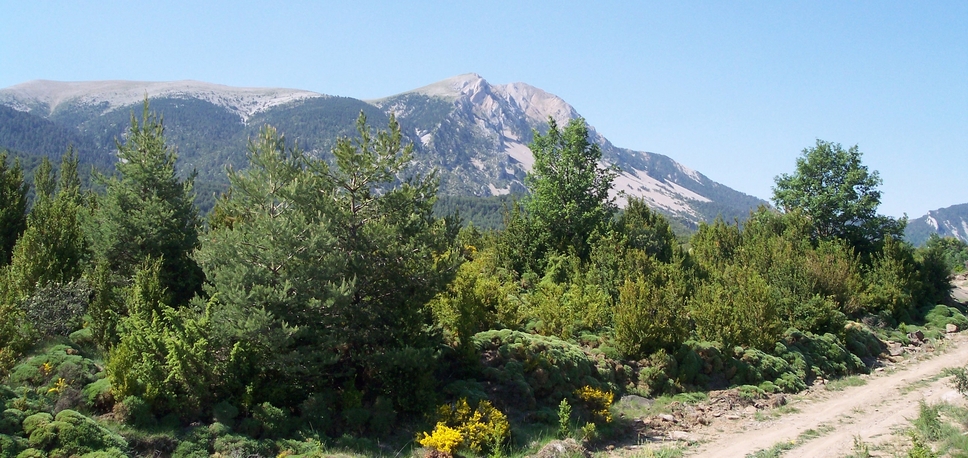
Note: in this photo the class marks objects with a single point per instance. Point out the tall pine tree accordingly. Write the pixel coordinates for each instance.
(148, 212)
(52, 248)
(13, 206)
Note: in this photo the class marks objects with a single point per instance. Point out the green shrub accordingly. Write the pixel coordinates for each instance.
(76, 434)
(56, 362)
(225, 412)
(316, 412)
(6, 394)
(10, 446)
(83, 338)
(219, 429)
(892, 280)
(236, 445)
(750, 392)
(58, 309)
(383, 418)
(532, 371)
(405, 375)
(135, 411)
(941, 316)
(11, 421)
(821, 355)
(190, 449)
(480, 297)
(566, 301)
(657, 375)
(34, 422)
(737, 308)
(648, 315)
(32, 453)
(98, 395)
(754, 366)
(274, 422)
(861, 341)
(564, 419)
(472, 390)
(109, 453)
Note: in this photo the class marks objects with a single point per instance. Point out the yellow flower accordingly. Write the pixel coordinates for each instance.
(443, 439)
(59, 386)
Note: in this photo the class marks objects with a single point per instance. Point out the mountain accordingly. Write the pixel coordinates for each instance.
(947, 222)
(475, 134)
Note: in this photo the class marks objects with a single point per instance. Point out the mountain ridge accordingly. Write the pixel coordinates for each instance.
(474, 132)
(946, 222)
(121, 93)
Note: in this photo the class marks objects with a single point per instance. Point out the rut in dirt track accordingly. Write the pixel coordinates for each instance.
(873, 412)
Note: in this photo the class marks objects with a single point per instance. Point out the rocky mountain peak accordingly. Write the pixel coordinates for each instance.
(45, 95)
(454, 87)
(475, 133)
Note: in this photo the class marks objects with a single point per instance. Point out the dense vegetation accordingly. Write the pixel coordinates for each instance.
(326, 305)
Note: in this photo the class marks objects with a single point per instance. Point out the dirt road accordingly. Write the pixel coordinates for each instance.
(873, 413)
(827, 423)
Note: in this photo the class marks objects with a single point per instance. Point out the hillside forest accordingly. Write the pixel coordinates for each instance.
(323, 305)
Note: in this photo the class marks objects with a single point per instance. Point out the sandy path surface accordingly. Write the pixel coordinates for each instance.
(874, 413)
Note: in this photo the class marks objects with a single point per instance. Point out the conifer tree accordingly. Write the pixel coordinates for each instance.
(148, 212)
(52, 248)
(569, 188)
(321, 271)
(271, 264)
(13, 206)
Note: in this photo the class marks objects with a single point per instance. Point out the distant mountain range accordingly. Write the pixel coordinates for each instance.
(947, 222)
(473, 132)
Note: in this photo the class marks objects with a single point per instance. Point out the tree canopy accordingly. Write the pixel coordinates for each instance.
(569, 187)
(838, 194)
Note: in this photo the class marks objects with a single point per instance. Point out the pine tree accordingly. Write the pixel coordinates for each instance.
(13, 206)
(322, 271)
(569, 189)
(272, 266)
(52, 248)
(148, 212)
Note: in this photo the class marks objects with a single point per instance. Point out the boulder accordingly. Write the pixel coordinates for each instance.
(561, 449)
(680, 436)
(916, 337)
(633, 401)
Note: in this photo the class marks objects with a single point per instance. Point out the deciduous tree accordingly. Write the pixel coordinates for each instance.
(839, 195)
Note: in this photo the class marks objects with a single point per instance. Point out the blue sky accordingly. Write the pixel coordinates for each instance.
(734, 90)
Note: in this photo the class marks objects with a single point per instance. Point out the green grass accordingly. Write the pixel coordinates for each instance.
(942, 426)
(778, 448)
(860, 450)
(669, 451)
(843, 383)
(775, 451)
(771, 414)
(917, 385)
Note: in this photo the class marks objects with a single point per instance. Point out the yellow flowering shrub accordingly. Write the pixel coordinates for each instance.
(481, 429)
(597, 401)
(444, 439)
